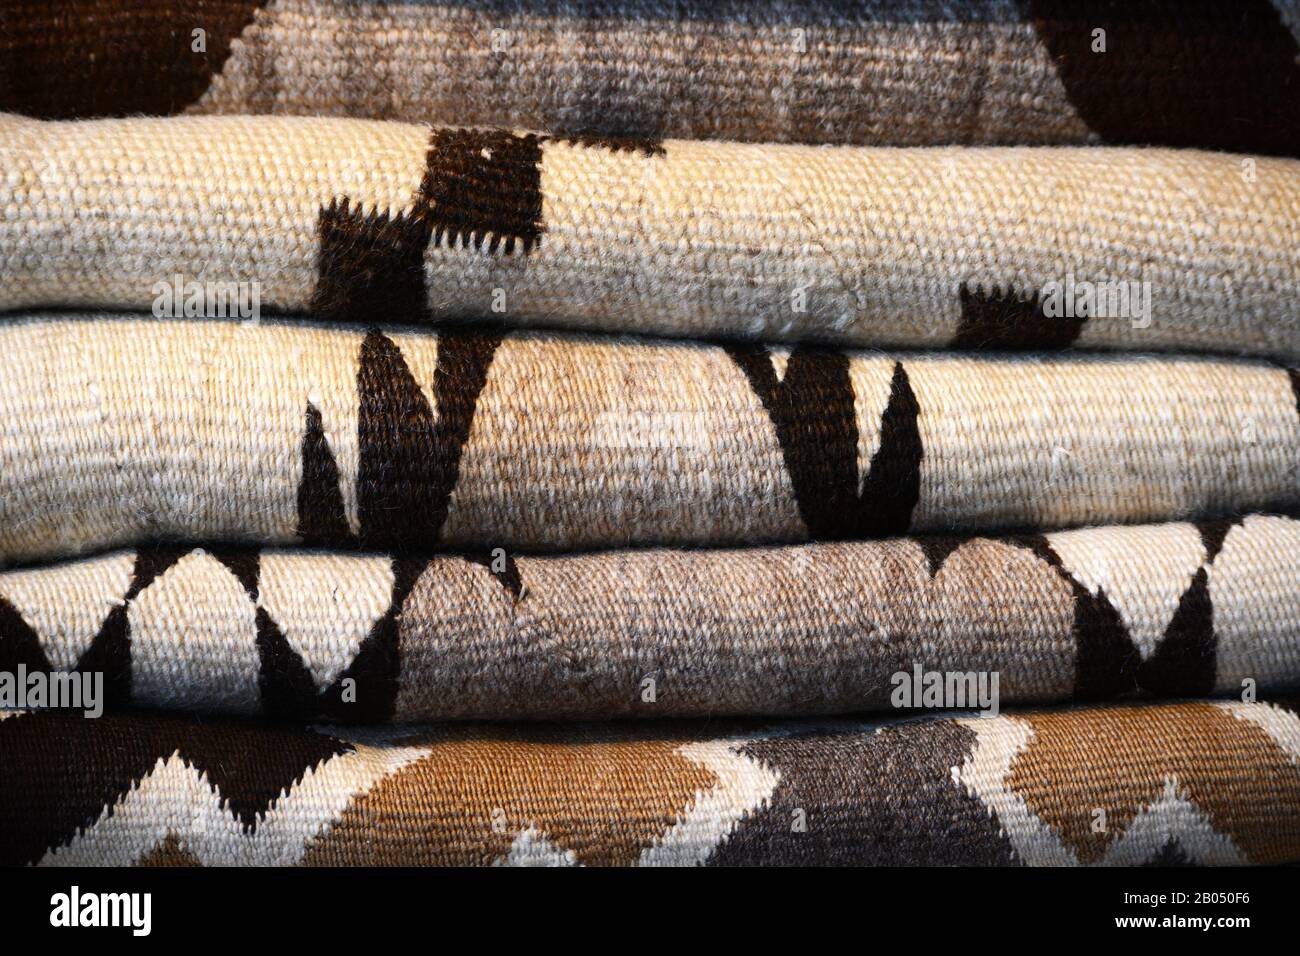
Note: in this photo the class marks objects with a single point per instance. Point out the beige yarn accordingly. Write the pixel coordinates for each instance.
(855, 245)
(118, 429)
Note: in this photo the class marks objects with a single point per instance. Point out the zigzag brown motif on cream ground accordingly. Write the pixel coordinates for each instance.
(1187, 782)
(1039, 775)
(822, 461)
(389, 222)
(480, 187)
(1096, 613)
(535, 441)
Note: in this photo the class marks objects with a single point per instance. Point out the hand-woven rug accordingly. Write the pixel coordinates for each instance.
(122, 430)
(1169, 783)
(1176, 72)
(965, 248)
(1165, 610)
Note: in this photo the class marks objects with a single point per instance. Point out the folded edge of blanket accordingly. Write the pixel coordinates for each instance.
(1175, 610)
(1211, 783)
(1130, 249)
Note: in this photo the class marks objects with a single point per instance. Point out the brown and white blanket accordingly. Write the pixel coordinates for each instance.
(1173, 783)
(883, 72)
(1165, 610)
(119, 430)
(390, 222)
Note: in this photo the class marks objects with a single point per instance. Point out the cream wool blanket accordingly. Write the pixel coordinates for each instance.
(965, 248)
(122, 429)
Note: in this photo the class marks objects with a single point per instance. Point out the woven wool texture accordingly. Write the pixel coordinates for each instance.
(121, 430)
(1179, 783)
(360, 220)
(649, 432)
(918, 72)
(1171, 610)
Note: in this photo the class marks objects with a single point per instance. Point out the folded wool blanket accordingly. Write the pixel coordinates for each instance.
(120, 430)
(1174, 610)
(961, 248)
(1171, 783)
(917, 72)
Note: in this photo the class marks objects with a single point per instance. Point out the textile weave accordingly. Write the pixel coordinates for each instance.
(1165, 610)
(367, 221)
(123, 430)
(1169, 783)
(921, 72)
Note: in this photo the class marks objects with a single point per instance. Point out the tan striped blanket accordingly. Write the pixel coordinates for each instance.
(886, 72)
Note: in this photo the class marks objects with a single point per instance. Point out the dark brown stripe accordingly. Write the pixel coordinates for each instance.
(617, 144)
(1213, 534)
(1185, 661)
(151, 563)
(243, 563)
(409, 460)
(1106, 659)
(812, 412)
(484, 185)
(1006, 321)
(110, 654)
(322, 520)
(19, 643)
(1200, 73)
(371, 265)
(893, 483)
(377, 668)
(937, 548)
(398, 476)
(288, 691)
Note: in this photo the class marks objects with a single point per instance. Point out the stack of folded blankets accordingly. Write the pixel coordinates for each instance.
(611, 433)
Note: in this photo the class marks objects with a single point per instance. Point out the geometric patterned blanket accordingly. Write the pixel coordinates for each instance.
(380, 221)
(122, 430)
(1177, 610)
(893, 408)
(873, 71)
(1163, 783)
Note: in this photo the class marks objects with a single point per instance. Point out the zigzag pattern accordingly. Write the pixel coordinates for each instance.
(1165, 610)
(1192, 783)
(402, 441)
